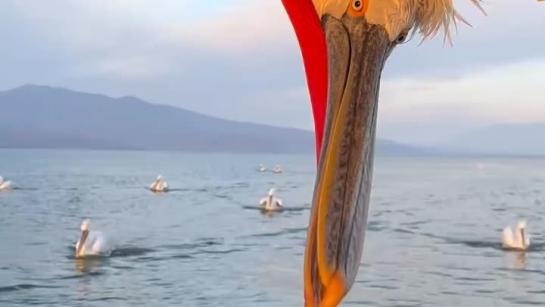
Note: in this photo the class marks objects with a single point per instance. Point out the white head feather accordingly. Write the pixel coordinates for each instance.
(85, 225)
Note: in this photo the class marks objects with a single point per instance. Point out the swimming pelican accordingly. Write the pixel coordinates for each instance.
(4, 185)
(271, 203)
(516, 240)
(90, 244)
(277, 170)
(159, 185)
(261, 168)
(345, 44)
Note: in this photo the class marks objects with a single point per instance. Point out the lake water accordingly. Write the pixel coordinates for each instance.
(433, 239)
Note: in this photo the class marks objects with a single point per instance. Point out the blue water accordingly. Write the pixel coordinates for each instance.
(433, 239)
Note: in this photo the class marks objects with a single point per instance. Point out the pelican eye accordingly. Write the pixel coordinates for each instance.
(357, 5)
(402, 37)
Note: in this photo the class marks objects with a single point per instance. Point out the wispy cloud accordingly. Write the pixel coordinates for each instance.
(510, 93)
(239, 59)
(244, 28)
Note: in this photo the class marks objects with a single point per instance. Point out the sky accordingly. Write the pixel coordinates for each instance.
(239, 59)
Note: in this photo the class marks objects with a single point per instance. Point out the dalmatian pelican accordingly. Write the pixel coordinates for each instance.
(345, 44)
(517, 240)
(90, 244)
(159, 185)
(271, 202)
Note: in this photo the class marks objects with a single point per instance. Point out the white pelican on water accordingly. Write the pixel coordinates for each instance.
(4, 185)
(159, 185)
(516, 240)
(90, 244)
(262, 168)
(345, 45)
(271, 203)
(277, 169)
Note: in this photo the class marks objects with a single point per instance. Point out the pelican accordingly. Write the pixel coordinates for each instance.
(4, 185)
(159, 185)
(277, 169)
(271, 203)
(90, 244)
(516, 240)
(261, 168)
(345, 44)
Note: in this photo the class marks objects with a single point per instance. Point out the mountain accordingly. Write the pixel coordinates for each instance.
(391, 148)
(501, 139)
(45, 117)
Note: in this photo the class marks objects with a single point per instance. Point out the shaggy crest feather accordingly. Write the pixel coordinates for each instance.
(430, 16)
(426, 17)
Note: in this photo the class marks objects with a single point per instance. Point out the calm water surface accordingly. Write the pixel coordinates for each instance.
(433, 239)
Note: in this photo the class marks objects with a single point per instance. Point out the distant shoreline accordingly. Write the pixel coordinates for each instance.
(44, 117)
(379, 155)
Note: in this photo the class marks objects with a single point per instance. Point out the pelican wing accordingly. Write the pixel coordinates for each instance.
(508, 238)
(97, 244)
(263, 201)
(5, 185)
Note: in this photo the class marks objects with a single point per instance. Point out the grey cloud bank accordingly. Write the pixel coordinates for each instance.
(239, 59)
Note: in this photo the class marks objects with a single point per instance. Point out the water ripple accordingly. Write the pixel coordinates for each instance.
(19, 287)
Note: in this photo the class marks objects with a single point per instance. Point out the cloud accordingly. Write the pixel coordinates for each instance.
(242, 29)
(510, 93)
(239, 59)
(510, 32)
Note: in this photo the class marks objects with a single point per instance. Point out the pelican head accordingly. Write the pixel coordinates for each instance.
(271, 192)
(85, 225)
(159, 178)
(345, 45)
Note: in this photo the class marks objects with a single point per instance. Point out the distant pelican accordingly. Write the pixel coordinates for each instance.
(518, 240)
(4, 185)
(271, 203)
(90, 244)
(277, 169)
(159, 185)
(262, 168)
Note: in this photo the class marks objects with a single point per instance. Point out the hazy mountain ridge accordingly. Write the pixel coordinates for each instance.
(45, 117)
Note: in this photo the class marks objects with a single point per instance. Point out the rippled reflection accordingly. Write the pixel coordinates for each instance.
(516, 260)
(88, 265)
(434, 234)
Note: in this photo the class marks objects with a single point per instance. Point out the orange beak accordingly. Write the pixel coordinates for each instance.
(356, 52)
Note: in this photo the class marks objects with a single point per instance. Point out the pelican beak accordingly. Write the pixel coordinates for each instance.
(82, 239)
(356, 55)
(523, 237)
